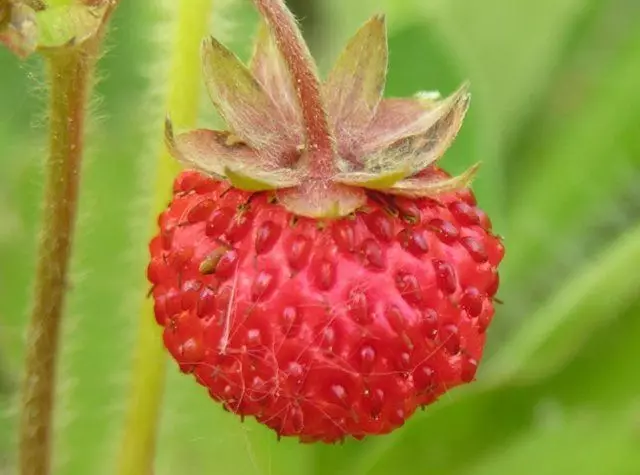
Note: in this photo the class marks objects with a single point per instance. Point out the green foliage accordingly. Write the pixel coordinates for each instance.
(554, 119)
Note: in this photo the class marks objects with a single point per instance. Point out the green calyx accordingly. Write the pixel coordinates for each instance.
(386, 145)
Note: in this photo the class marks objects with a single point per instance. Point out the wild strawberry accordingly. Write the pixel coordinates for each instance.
(318, 271)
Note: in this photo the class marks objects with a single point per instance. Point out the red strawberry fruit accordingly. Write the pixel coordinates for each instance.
(316, 269)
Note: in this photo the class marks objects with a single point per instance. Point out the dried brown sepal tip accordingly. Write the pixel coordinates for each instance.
(320, 144)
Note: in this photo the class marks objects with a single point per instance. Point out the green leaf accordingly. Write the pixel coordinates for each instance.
(600, 375)
(589, 51)
(572, 198)
(582, 442)
(598, 293)
(508, 73)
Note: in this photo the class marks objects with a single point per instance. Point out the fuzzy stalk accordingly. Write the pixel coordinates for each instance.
(71, 78)
(302, 67)
(148, 376)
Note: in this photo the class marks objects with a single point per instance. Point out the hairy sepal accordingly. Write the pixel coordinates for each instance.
(220, 155)
(208, 151)
(396, 118)
(253, 178)
(269, 68)
(374, 181)
(243, 103)
(355, 85)
(418, 139)
(424, 187)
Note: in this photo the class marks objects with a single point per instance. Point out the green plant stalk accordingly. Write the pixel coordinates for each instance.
(145, 401)
(71, 77)
(69, 84)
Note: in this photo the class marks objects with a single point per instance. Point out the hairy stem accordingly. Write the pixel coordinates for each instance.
(143, 411)
(302, 68)
(71, 74)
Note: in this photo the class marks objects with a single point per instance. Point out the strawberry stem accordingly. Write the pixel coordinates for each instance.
(302, 68)
(149, 368)
(71, 74)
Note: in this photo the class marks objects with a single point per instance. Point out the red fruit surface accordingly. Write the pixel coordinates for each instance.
(323, 329)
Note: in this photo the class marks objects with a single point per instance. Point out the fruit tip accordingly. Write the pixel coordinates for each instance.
(464, 91)
(379, 17)
(207, 40)
(209, 43)
(471, 173)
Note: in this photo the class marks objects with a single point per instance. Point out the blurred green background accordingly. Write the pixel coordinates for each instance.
(555, 119)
